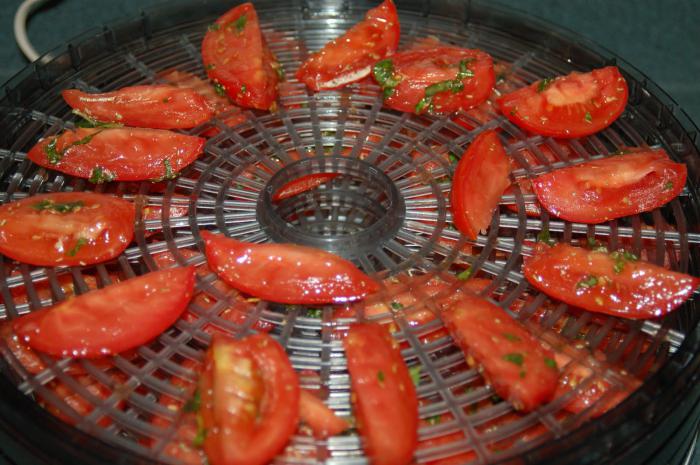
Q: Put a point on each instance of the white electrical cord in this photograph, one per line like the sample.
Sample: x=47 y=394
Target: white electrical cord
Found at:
x=23 y=13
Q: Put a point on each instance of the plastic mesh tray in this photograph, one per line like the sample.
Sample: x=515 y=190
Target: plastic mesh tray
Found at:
x=389 y=214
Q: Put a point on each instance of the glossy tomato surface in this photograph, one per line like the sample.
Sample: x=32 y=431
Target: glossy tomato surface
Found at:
x=478 y=183
x=615 y=283
x=286 y=273
x=518 y=367
x=600 y=190
x=158 y=107
x=302 y=184
x=238 y=60
x=435 y=80
x=350 y=57
x=118 y=154
x=249 y=400
x=110 y=320
x=66 y=228
x=386 y=404
x=575 y=105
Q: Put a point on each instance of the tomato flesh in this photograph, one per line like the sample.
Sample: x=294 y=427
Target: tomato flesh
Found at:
x=575 y=105
x=518 y=367
x=479 y=181
x=386 y=405
x=66 y=228
x=616 y=284
x=118 y=154
x=249 y=400
x=238 y=60
x=600 y=190
x=322 y=420
x=157 y=107
x=109 y=320
x=286 y=273
x=302 y=184
x=350 y=57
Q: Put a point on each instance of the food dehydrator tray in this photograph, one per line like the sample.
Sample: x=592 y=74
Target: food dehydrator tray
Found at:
x=388 y=213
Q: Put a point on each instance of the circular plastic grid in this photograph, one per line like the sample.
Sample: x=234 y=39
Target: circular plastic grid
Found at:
x=403 y=163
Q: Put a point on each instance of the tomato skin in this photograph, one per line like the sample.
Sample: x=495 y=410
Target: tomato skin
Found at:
x=117 y=154
x=322 y=420
x=387 y=405
x=302 y=184
x=34 y=231
x=518 y=367
x=250 y=400
x=575 y=105
x=640 y=290
x=109 y=320
x=157 y=107
x=236 y=57
x=349 y=58
x=286 y=273
x=600 y=190
x=479 y=181
x=418 y=69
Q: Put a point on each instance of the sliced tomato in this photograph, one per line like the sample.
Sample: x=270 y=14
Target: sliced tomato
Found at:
x=109 y=320
x=286 y=273
x=158 y=107
x=155 y=212
x=66 y=228
x=613 y=283
x=322 y=420
x=386 y=402
x=479 y=181
x=575 y=105
x=600 y=190
x=350 y=57
x=438 y=80
x=238 y=60
x=118 y=154
x=302 y=184
x=250 y=400
x=518 y=367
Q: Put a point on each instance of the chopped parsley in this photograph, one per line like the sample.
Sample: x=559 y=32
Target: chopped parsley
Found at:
x=595 y=245
x=243 y=89
x=450 y=85
x=512 y=337
x=194 y=403
x=220 y=89
x=434 y=420
x=169 y=173
x=314 y=312
x=54 y=156
x=453 y=157
x=544 y=84
x=550 y=363
x=67 y=207
x=210 y=66
x=380 y=376
x=622 y=257
x=515 y=358
x=76 y=248
x=281 y=75
x=668 y=186
x=545 y=237
x=396 y=305
x=101 y=175
x=415 y=374
x=88 y=122
x=465 y=275
x=588 y=117
x=198 y=440
x=240 y=23
x=587 y=282
x=383 y=72
x=214 y=27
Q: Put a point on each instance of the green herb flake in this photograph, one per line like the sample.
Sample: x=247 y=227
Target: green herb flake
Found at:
x=210 y=66
x=198 y=440
x=100 y=175
x=588 y=117
x=668 y=186
x=193 y=405
x=425 y=102
x=544 y=84
x=76 y=248
x=314 y=312
x=550 y=362
x=434 y=420
x=512 y=337
x=67 y=207
x=281 y=75
x=465 y=275
x=380 y=376
x=214 y=27
x=51 y=153
x=496 y=398
x=396 y=305
x=587 y=282
x=220 y=89
x=453 y=157
x=168 y=174
x=415 y=374
x=383 y=72
x=544 y=237
x=515 y=358
x=522 y=374
x=243 y=89
x=240 y=23
x=450 y=85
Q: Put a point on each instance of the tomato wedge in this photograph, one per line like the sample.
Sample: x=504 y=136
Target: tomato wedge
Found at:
x=302 y=184
x=238 y=60
x=518 y=367
x=437 y=80
x=575 y=105
x=158 y=107
x=66 y=228
x=322 y=420
x=386 y=405
x=109 y=320
x=118 y=154
x=600 y=190
x=479 y=181
x=249 y=400
x=613 y=283
x=286 y=273
x=350 y=57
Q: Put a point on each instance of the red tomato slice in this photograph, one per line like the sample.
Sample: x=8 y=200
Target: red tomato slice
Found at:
x=302 y=184
x=350 y=57
x=286 y=273
x=612 y=283
x=112 y=319
x=575 y=105
x=238 y=60
x=520 y=370
x=158 y=107
x=250 y=400
x=155 y=212
x=386 y=405
x=66 y=228
x=479 y=181
x=118 y=154
x=322 y=420
x=600 y=190
x=438 y=80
